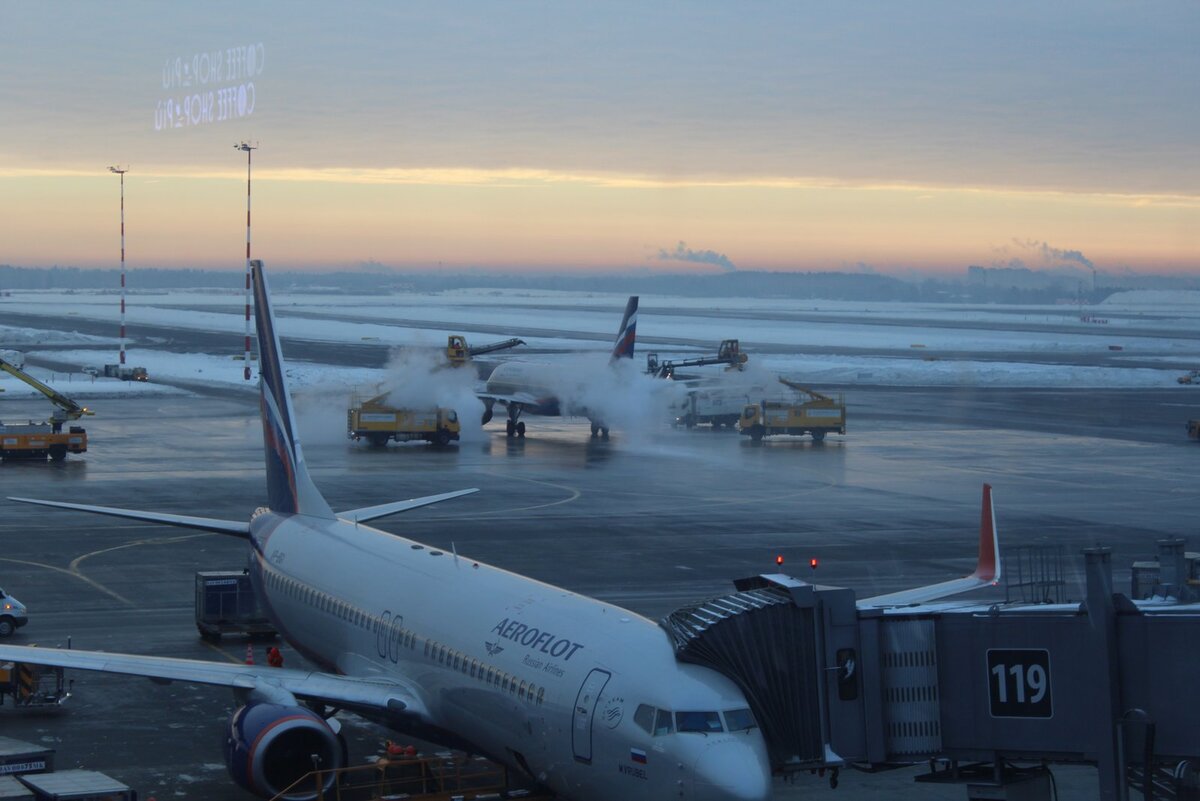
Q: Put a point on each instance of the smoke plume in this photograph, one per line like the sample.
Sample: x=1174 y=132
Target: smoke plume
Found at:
x=683 y=253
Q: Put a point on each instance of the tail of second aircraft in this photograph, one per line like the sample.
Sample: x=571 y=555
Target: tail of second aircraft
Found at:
x=289 y=488
x=627 y=333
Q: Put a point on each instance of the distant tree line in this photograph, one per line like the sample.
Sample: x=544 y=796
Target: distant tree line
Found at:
x=999 y=288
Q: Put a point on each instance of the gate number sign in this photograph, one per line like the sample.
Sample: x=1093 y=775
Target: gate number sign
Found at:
x=1019 y=683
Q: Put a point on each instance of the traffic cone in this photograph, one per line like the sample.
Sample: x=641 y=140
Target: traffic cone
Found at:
x=249 y=654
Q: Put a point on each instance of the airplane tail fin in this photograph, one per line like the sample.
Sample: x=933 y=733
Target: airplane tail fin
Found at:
x=290 y=490
x=627 y=333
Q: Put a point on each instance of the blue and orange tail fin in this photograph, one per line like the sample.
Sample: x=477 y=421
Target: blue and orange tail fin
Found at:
x=289 y=488
x=627 y=333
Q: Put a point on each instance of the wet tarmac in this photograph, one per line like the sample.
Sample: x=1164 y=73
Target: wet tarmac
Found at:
x=648 y=520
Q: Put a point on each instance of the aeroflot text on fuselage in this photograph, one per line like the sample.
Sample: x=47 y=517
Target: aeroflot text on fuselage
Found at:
x=557 y=647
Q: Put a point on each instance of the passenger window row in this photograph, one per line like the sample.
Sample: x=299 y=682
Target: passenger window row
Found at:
x=455 y=660
x=321 y=601
x=489 y=675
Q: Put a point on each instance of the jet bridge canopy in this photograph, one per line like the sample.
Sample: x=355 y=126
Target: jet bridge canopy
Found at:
x=766 y=644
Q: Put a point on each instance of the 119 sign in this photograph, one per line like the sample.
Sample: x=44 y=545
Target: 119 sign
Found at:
x=1019 y=683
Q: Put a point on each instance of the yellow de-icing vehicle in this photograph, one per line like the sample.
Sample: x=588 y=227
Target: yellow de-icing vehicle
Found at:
x=376 y=422
x=39 y=440
x=817 y=416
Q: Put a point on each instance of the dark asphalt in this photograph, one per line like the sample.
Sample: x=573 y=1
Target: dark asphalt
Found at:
x=649 y=520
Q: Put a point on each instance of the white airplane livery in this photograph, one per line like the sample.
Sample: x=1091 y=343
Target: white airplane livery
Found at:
x=586 y=698
x=538 y=387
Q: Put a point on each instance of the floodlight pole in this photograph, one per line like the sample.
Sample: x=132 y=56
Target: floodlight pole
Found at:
x=248 y=148
x=121 y=172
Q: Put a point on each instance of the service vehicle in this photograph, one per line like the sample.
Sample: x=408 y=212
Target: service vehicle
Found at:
x=126 y=373
x=377 y=422
x=809 y=413
x=33 y=686
x=226 y=604
x=1193 y=429
x=714 y=405
x=38 y=440
x=13 y=614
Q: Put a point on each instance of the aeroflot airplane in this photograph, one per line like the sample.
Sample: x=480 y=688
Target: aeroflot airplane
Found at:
x=585 y=697
x=538 y=388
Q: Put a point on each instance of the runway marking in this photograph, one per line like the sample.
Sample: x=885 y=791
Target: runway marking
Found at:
x=574 y=494
x=149 y=541
x=77 y=575
x=73 y=568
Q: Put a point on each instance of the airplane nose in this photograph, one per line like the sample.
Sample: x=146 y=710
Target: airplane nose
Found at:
x=733 y=771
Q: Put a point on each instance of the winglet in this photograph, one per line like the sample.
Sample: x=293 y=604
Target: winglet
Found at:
x=989 y=567
x=627 y=333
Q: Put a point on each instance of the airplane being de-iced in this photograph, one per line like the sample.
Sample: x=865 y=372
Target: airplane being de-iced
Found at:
x=537 y=387
x=586 y=698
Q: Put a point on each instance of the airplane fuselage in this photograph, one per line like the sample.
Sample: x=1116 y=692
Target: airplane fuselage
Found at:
x=539 y=382
x=551 y=683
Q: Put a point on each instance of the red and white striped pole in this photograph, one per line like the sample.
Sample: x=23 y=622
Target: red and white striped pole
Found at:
x=246 y=146
x=121 y=172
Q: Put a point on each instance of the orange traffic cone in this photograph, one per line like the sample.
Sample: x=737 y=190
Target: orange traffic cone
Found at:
x=249 y=654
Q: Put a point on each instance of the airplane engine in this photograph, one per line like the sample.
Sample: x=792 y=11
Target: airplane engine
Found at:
x=270 y=746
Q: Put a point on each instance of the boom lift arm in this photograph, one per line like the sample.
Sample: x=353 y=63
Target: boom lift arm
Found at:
x=728 y=353
x=67 y=408
x=805 y=390
x=458 y=352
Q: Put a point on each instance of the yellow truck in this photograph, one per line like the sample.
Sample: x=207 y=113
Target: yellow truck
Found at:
x=38 y=440
x=376 y=422
x=810 y=413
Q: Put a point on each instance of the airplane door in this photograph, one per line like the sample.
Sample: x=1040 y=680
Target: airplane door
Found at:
x=585 y=710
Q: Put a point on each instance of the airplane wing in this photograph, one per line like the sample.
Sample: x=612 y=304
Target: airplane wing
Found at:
x=232 y=527
x=987 y=570
x=328 y=688
x=372 y=512
x=519 y=398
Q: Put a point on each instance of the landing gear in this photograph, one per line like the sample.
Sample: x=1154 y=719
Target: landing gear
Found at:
x=513 y=428
x=599 y=430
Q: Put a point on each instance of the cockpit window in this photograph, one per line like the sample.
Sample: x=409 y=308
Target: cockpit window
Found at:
x=739 y=720
x=644 y=717
x=698 y=721
x=662 y=723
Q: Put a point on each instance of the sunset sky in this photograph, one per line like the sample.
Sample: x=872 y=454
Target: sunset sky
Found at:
x=572 y=136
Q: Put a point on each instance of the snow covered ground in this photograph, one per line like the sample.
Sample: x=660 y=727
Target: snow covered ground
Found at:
x=912 y=341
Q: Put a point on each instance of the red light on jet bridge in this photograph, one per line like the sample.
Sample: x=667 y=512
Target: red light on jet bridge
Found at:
x=813 y=563
x=779 y=560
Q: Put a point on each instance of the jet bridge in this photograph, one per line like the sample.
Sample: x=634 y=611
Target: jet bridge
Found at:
x=973 y=689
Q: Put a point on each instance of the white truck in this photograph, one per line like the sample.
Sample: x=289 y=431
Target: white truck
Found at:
x=13 y=614
x=714 y=405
